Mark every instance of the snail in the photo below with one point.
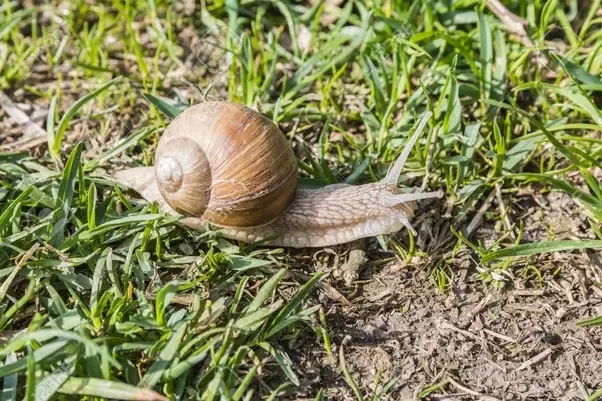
(225, 165)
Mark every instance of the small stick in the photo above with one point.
(514, 24)
(500, 336)
(448, 325)
(471, 392)
(535, 359)
(528, 293)
(511, 21)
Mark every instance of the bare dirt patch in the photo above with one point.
(509, 344)
(517, 341)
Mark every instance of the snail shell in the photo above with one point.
(227, 164)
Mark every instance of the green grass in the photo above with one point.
(101, 294)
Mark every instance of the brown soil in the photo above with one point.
(517, 341)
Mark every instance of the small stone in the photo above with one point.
(560, 313)
(522, 388)
(477, 325)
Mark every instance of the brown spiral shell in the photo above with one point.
(227, 164)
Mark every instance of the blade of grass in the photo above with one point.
(65, 195)
(265, 291)
(90, 386)
(118, 148)
(542, 247)
(486, 56)
(55, 142)
(167, 106)
(296, 301)
(167, 354)
(350, 380)
(10, 382)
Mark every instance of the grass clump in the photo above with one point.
(103, 296)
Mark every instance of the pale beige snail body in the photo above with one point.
(226, 165)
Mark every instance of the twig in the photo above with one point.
(447, 325)
(511, 21)
(515, 24)
(471, 392)
(500, 336)
(535, 359)
(528, 293)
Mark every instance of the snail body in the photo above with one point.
(226, 165)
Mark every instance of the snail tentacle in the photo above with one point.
(395, 199)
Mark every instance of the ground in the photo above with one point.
(488, 341)
(497, 297)
(516, 342)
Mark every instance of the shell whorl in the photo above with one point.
(183, 176)
(227, 164)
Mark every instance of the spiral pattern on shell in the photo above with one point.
(183, 175)
(227, 164)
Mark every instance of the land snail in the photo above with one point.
(224, 165)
